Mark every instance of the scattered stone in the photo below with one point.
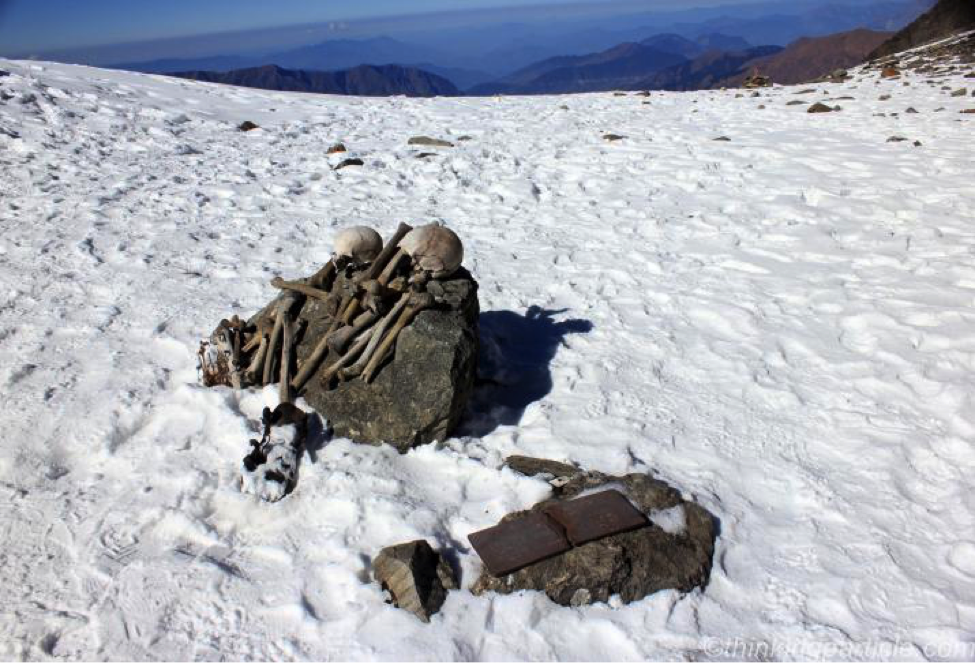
(911, 110)
(336, 149)
(970, 75)
(968, 111)
(247, 125)
(3, 73)
(619, 94)
(723, 139)
(416, 577)
(884, 97)
(464, 138)
(761, 107)
(345, 163)
(429, 142)
(806, 91)
(564, 107)
(642, 93)
(674, 552)
(612, 137)
(917, 143)
(756, 94)
(896, 139)
(796, 102)
(839, 75)
(532, 467)
(756, 80)
(890, 72)
(819, 107)
(960, 92)
(426, 155)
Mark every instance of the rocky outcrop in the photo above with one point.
(415, 576)
(420, 395)
(813, 58)
(674, 552)
(947, 18)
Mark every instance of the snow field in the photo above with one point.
(780, 326)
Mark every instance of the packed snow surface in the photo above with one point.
(780, 325)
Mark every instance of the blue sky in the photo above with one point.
(39, 25)
(36, 26)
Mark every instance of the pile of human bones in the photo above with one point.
(340, 325)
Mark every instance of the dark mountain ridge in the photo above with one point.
(946, 18)
(364, 80)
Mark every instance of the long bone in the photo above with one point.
(349, 311)
(314, 360)
(303, 288)
(356, 348)
(284, 387)
(418, 302)
(380, 330)
(288, 298)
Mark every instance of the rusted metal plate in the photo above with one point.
(595, 516)
(513, 545)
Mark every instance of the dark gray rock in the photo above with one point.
(429, 142)
(820, 107)
(531, 467)
(419, 396)
(416, 577)
(247, 125)
(633, 564)
(352, 161)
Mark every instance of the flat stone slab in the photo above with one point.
(515, 544)
(594, 516)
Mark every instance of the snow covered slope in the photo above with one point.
(780, 325)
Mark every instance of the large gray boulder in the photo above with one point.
(421, 394)
(674, 552)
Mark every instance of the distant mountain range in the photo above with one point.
(948, 17)
(692, 56)
(476, 54)
(364, 80)
(812, 57)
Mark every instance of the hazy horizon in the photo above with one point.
(100, 32)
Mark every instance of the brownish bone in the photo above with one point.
(284, 388)
(377, 267)
(418, 302)
(321, 278)
(303, 288)
(285, 303)
(314, 360)
(381, 327)
(256, 367)
(339, 340)
(344, 360)
(387, 274)
(340, 313)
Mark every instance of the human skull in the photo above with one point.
(434, 249)
(358, 245)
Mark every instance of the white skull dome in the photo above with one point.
(434, 249)
(360, 244)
